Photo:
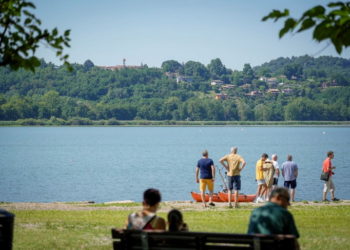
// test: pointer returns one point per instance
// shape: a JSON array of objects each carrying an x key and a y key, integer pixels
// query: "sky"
[{"x": 153, "y": 31}]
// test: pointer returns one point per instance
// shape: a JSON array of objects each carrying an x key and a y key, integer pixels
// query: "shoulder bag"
[{"x": 324, "y": 176}]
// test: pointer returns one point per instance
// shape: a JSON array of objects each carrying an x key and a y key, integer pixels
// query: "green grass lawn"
[{"x": 320, "y": 227}]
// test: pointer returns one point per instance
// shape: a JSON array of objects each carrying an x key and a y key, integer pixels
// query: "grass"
[{"x": 320, "y": 227}]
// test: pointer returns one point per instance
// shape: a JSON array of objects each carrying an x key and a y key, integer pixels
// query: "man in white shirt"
[{"x": 277, "y": 170}]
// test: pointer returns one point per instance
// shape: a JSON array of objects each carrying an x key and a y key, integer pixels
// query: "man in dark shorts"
[
  {"x": 234, "y": 164},
  {"x": 290, "y": 174},
  {"x": 207, "y": 177}
]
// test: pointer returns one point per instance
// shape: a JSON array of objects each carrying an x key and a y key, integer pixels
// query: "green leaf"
[
  {"x": 336, "y": 4},
  {"x": 276, "y": 14},
  {"x": 314, "y": 12},
  {"x": 54, "y": 32},
  {"x": 66, "y": 32},
  {"x": 289, "y": 25},
  {"x": 306, "y": 24}
]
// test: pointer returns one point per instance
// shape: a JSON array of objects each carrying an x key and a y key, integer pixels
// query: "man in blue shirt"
[
  {"x": 290, "y": 174},
  {"x": 205, "y": 167},
  {"x": 274, "y": 218}
]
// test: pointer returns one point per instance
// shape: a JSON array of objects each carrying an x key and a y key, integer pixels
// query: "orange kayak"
[
  {"x": 197, "y": 197},
  {"x": 241, "y": 197}
]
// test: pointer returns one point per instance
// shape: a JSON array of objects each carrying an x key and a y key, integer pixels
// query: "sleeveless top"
[{"x": 140, "y": 221}]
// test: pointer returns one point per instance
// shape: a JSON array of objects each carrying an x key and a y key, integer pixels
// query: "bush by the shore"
[{"x": 79, "y": 121}]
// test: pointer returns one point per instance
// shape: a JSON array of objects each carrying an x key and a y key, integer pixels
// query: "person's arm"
[
  {"x": 197, "y": 172},
  {"x": 243, "y": 163},
  {"x": 296, "y": 172},
  {"x": 282, "y": 170},
  {"x": 277, "y": 170},
  {"x": 223, "y": 162},
  {"x": 213, "y": 171}
]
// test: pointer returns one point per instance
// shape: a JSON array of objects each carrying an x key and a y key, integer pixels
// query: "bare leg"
[
  {"x": 236, "y": 198},
  {"x": 263, "y": 191},
  {"x": 210, "y": 196},
  {"x": 229, "y": 197},
  {"x": 324, "y": 196},
  {"x": 292, "y": 194},
  {"x": 203, "y": 198}
]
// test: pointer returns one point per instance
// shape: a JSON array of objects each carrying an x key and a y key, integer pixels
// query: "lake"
[{"x": 47, "y": 164}]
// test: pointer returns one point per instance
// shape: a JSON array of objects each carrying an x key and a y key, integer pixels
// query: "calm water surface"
[{"x": 45, "y": 164}]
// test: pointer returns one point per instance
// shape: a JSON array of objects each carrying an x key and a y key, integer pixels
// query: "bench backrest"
[{"x": 151, "y": 240}]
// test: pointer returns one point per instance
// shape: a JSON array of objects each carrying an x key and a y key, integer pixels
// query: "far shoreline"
[{"x": 78, "y": 122}]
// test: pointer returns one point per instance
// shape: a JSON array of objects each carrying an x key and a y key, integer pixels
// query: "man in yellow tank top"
[
  {"x": 259, "y": 176},
  {"x": 234, "y": 164}
]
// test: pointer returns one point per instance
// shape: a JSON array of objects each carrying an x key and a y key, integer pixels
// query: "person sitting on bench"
[
  {"x": 175, "y": 221},
  {"x": 274, "y": 218},
  {"x": 147, "y": 218}
]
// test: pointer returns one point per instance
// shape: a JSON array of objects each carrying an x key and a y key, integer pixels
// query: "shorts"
[
  {"x": 275, "y": 181},
  {"x": 290, "y": 184},
  {"x": 234, "y": 182},
  {"x": 203, "y": 183},
  {"x": 328, "y": 185},
  {"x": 261, "y": 182}
]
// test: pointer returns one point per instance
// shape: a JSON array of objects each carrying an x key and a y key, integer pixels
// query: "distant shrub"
[
  {"x": 113, "y": 121},
  {"x": 76, "y": 121},
  {"x": 56, "y": 121},
  {"x": 31, "y": 122}
]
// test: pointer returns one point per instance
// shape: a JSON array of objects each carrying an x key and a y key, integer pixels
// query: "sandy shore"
[{"x": 130, "y": 205}]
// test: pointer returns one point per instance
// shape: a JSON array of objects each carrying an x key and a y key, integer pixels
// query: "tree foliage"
[
  {"x": 331, "y": 23},
  {"x": 93, "y": 93},
  {"x": 21, "y": 34}
]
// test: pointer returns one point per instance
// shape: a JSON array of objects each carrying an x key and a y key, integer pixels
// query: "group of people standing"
[
  {"x": 267, "y": 176},
  {"x": 272, "y": 218}
]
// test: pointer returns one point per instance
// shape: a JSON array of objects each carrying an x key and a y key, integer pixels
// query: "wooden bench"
[{"x": 151, "y": 240}]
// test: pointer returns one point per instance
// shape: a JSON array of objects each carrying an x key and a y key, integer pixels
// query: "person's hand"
[
  {"x": 213, "y": 179},
  {"x": 197, "y": 180}
]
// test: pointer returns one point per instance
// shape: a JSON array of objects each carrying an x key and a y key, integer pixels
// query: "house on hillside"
[
  {"x": 216, "y": 82},
  {"x": 180, "y": 78},
  {"x": 263, "y": 78},
  {"x": 254, "y": 93},
  {"x": 273, "y": 91},
  {"x": 272, "y": 81},
  {"x": 171, "y": 75},
  {"x": 221, "y": 96},
  {"x": 228, "y": 86},
  {"x": 329, "y": 84},
  {"x": 124, "y": 66},
  {"x": 287, "y": 91},
  {"x": 117, "y": 67},
  {"x": 246, "y": 86}
]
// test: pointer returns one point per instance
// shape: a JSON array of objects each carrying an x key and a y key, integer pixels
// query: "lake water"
[{"x": 46, "y": 164}]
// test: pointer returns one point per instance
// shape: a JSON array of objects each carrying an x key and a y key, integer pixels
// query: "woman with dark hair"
[
  {"x": 175, "y": 221},
  {"x": 147, "y": 218}
]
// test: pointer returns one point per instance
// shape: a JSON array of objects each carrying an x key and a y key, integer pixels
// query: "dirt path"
[{"x": 129, "y": 205}]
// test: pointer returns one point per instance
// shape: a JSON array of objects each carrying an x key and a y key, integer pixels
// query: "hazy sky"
[{"x": 153, "y": 31}]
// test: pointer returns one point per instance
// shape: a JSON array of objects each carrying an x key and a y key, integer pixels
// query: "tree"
[
  {"x": 196, "y": 69},
  {"x": 216, "y": 69},
  {"x": 332, "y": 23},
  {"x": 248, "y": 73},
  {"x": 21, "y": 34},
  {"x": 88, "y": 64},
  {"x": 171, "y": 66},
  {"x": 291, "y": 70}
]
